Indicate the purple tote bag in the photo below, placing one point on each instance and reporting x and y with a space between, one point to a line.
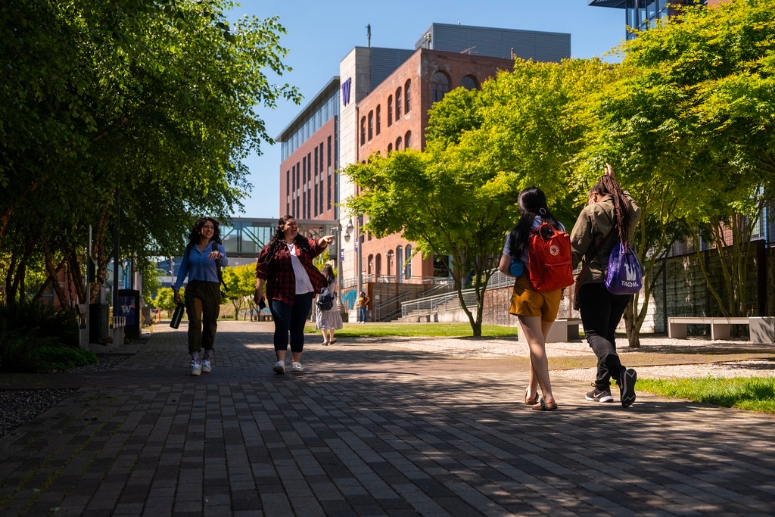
625 273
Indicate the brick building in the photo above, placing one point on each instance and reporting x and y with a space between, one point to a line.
379 102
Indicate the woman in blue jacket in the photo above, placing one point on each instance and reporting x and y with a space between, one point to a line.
203 258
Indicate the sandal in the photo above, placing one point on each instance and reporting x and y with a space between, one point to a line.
529 401
544 406
325 343
332 341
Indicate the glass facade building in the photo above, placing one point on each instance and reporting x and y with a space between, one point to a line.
643 14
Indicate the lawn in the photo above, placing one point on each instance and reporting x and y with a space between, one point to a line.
750 393
418 329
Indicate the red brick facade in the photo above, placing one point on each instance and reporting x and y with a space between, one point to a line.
383 128
308 178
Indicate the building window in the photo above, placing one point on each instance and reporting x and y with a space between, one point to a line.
390 148
439 86
377 266
390 110
407 97
398 104
399 264
287 183
408 262
398 143
469 83
408 140
379 109
371 125
363 130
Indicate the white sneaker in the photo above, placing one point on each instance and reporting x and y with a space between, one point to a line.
296 367
196 368
279 367
206 366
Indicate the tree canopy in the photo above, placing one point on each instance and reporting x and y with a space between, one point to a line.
126 108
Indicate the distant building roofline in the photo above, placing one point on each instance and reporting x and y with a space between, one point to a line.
618 4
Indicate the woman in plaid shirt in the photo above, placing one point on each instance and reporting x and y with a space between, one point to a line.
292 281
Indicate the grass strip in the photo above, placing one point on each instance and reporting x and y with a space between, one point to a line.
749 393
419 329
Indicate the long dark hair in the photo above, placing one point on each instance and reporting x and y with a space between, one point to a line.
608 186
532 203
196 231
328 272
277 239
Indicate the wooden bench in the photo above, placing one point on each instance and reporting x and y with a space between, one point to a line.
562 331
720 328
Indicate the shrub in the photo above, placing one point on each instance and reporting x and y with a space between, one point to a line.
61 325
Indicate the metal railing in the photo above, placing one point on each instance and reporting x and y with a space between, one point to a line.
390 309
450 301
352 282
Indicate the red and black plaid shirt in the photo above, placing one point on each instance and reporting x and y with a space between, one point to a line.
279 276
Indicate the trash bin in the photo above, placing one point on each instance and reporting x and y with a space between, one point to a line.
129 307
99 322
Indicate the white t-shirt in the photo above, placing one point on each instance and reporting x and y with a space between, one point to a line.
303 283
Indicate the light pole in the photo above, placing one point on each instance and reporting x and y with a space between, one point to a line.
358 249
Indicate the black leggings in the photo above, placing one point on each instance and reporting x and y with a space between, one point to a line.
601 312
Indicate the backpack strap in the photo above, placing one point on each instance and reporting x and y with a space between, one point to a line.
218 265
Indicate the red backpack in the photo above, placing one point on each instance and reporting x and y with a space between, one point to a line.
549 259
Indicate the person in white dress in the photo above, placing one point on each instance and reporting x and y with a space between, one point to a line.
329 321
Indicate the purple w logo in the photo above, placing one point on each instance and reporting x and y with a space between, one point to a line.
346 91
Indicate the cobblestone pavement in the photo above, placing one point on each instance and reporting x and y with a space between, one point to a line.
372 427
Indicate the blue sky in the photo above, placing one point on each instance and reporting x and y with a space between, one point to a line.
321 33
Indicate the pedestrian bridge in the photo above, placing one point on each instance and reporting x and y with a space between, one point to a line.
246 237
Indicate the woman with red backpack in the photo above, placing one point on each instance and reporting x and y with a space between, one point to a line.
610 218
536 309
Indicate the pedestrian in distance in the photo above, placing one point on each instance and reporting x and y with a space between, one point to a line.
202 260
285 265
328 321
536 310
363 307
609 218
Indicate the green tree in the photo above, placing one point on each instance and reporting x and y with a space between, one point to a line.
689 126
165 299
131 109
458 197
240 284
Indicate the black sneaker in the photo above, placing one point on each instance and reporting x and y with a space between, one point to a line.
597 395
627 387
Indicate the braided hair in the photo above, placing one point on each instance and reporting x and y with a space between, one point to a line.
278 239
196 231
532 203
608 186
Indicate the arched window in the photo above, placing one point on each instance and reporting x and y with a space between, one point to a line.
370 265
371 125
389 267
408 140
399 264
377 266
379 116
398 143
363 130
398 104
408 261
390 148
439 86
390 110
407 96
469 83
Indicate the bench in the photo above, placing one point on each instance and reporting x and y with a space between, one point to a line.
720 328
562 331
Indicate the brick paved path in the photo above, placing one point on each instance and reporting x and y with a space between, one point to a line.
370 429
